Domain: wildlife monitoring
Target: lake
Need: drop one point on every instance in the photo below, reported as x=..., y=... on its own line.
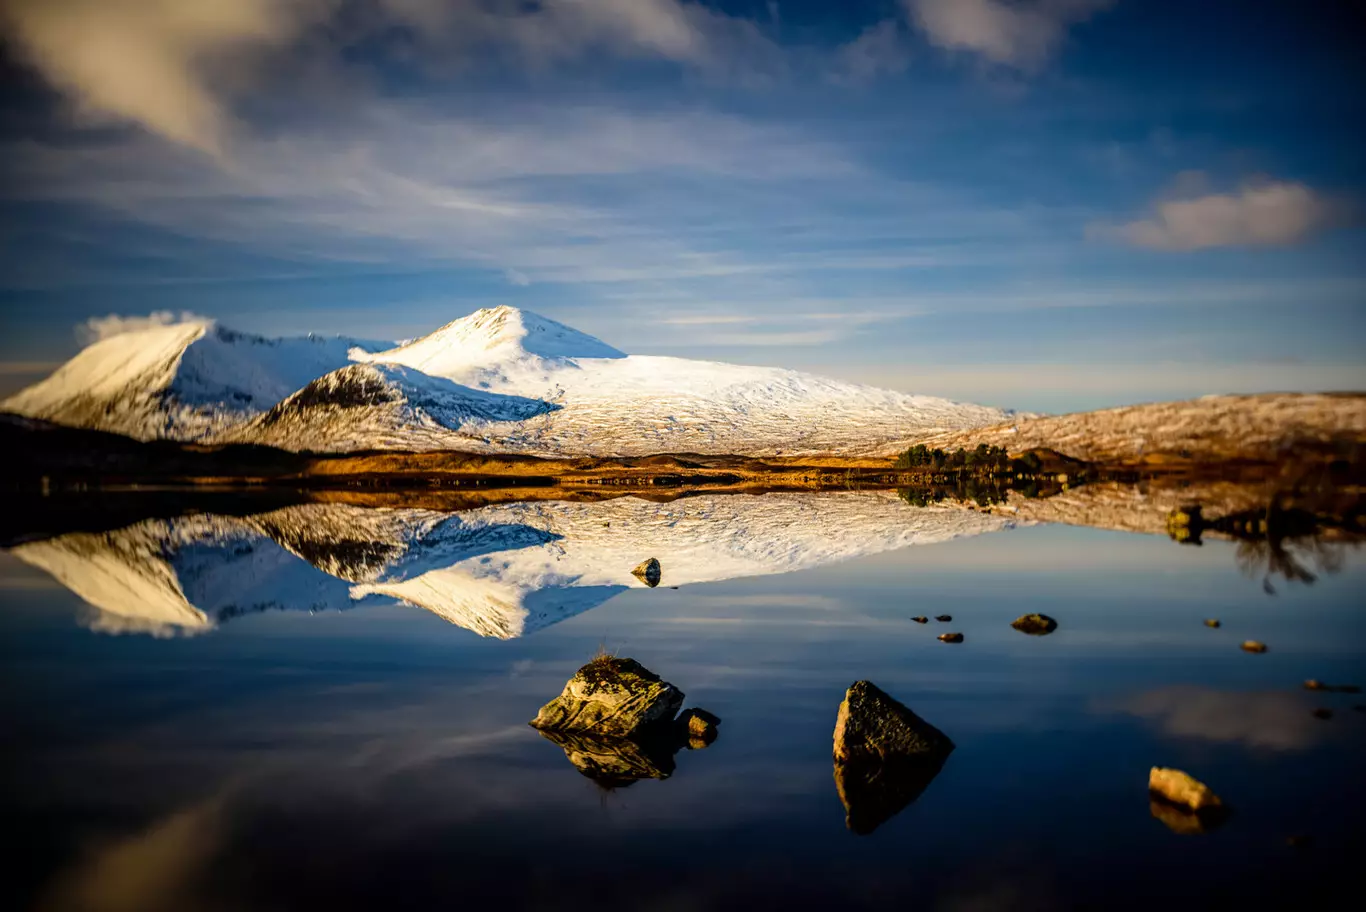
x=326, y=706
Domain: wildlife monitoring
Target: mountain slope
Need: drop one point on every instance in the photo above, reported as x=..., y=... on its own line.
x=182, y=382
x=498, y=381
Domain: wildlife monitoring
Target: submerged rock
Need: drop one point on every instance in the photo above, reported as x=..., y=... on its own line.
x=943, y=617
x=950, y=637
x=648, y=572
x=921, y=619
x=1253, y=646
x=611, y=697
x=1181, y=789
x=885, y=756
x=1213, y=622
x=1035, y=624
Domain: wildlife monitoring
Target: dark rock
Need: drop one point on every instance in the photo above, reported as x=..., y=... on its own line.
x=950, y=637
x=1253, y=646
x=1213, y=622
x=943, y=617
x=921, y=619
x=648, y=572
x=1312, y=684
x=1300, y=841
x=1035, y=624
x=1322, y=713
x=611, y=697
x=885, y=756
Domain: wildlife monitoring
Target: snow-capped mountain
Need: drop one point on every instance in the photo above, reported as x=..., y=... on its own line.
x=501, y=380
x=500, y=571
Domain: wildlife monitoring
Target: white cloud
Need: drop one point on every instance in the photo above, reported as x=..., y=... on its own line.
x=156, y=63
x=1017, y=34
x=1278, y=721
x=97, y=328
x=1268, y=214
x=517, y=278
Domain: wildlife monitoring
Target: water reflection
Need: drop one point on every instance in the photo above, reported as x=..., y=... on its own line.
x=500, y=571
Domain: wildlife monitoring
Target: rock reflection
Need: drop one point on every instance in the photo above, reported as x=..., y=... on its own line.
x=1185, y=822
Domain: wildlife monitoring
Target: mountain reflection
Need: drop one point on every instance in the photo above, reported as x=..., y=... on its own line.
x=503, y=570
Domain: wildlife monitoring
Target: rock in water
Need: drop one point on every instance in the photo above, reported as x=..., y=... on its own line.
x=885, y=756
x=951, y=637
x=649, y=572
x=1034, y=624
x=943, y=618
x=1181, y=789
x=698, y=727
x=1212, y=622
x=613, y=698
x=921, y=619
x=1253, y=646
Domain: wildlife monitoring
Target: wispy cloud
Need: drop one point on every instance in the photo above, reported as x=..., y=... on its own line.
x=165, y=66
x=879, y=50
x=1023, y=35
x=1259, y=214
x=96, y=328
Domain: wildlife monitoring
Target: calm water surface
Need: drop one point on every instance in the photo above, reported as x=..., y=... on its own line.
x=379, y=756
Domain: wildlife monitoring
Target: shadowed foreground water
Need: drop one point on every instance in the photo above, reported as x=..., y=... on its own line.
x=363, y=758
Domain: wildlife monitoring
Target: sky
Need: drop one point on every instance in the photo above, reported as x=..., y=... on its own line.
x=1049, y=205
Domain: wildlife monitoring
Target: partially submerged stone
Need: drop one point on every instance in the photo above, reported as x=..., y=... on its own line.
x=921, y=619
x=698, y=726
x=950, y=637
x=885, y=756
x=945, y=618
x=1213, y=622
x=611, y=697
x=1253, y=646
x=1034, y=624
x=1182, y=789
x=648, y=572
x=1312, y=684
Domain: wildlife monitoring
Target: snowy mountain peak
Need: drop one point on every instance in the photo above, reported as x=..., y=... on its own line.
x=495, y=336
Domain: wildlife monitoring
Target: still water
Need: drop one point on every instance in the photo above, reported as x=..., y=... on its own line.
x=326, y=707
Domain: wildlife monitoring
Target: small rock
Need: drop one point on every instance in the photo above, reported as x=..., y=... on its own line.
x=1300, y=841
x=1035, y=624
x=885, y=756
x=943, y=617
x=1322, y=713
x=1311, y=684
x=648, y=572
x=1253, y=646
x=921, y=619
x=699, y=726
x=950, y=637
x=1213, y=622
x=1182, y=789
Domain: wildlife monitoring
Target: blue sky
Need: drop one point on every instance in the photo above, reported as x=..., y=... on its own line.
x=1051, y=205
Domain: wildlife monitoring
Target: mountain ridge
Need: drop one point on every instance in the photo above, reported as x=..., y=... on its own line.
x=498, y=381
